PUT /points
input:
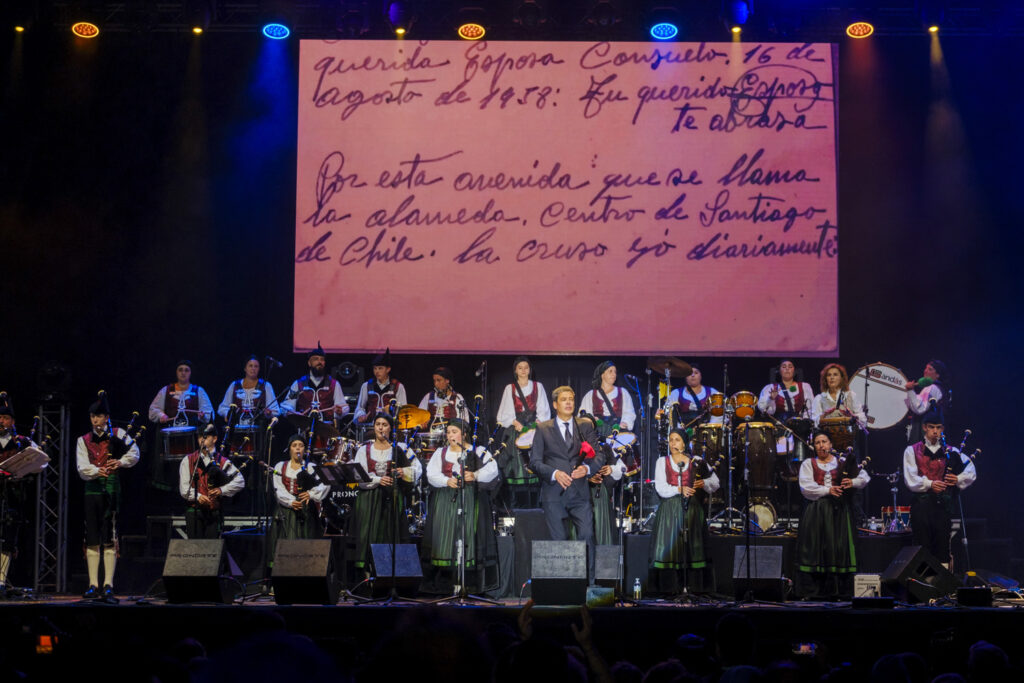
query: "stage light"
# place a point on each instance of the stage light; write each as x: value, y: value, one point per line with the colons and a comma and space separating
x: 471, y: 32
x: 19, y: 29
x: 664, y: 31
x: 198, y: 14
x: 400, y: 18
x: 933, y: 29
x: 736, y: 30
x: 276, y: 31
x: 198, y: 30
x: 860, y: 29
x: 85, y: 29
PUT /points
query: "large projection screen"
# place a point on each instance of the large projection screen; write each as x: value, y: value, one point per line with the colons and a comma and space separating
x: 578, y: 198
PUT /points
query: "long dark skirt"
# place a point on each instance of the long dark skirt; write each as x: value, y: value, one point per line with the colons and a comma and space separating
x: 670, y: 547
x: 443, y: 532
x: 378, y: 517
x: 825, y: 539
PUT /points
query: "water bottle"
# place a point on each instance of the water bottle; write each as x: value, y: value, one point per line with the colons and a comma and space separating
x: 637, y: 589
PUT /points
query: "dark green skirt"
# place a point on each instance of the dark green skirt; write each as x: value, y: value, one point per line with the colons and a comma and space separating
x: 668, y: 546
x: 825, y: 539
x: 375, y: 513
x: 604, y: 522
x: 513, y: 463
x: 444, y: 533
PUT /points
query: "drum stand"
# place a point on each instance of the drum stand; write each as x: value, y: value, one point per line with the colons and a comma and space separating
x: 896, y: 524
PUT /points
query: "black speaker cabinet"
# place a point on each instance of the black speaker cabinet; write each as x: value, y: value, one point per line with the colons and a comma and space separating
x: 915, y: 575
x: 531, y: 526
x: 558, y: 572
x: 304, y: 572
x: 765, y: 573
x: 198, y: 571
x: 606, y: 566
x: 408, y: 571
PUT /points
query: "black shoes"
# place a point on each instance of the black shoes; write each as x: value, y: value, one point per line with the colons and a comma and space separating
x: 92, y: 594
x: 108, y: 594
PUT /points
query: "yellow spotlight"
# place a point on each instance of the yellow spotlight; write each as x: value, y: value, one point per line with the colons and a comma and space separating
x: 736, y: 30
x: 19, y: 29
x: 933, y: 29
x: 399, y: 31
x: 198, y: 30
x: 860, y: 29
x: 85, y: 29
x: 471, y: 32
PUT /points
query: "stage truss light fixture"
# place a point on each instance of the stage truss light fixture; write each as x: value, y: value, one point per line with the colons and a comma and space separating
x: 471, y: 22
x: 737, y: 12
x: 664, y: 30
x: 400, y: 17
x: 85, y: 29
x: 19, y: 29
x: 860, y: 29
x: 664, y: 22
x: 276, y: 31
x: 471, y: 31
x: 736, y: 30
x: 197, y: 15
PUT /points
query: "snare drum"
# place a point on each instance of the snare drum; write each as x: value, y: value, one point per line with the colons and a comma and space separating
x: 627, y: 439
x: 243, y: 440
x: 839, y: 430
x: 179, y: 442
x: 716, y: 405
x: 428, y: 442
x: 797, y: 450
x: 743, y: 404
x: 760, y: 453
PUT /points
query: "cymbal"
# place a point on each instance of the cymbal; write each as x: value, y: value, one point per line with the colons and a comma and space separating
x: 679, y: 368
x: 410, y: 416
x: 325, y: 429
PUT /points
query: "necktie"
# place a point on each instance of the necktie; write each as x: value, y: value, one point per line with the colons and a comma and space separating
x: 568, y: 433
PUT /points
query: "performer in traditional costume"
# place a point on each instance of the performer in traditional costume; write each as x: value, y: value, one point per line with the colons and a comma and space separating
x: 691, y: 400
x: 786, y: 398
x: 15, y: 494
x: 836, y: 398
x: 180, y: 407
x: 459, y: 475
x: 610, y: 404
x: 205, y: 480
x: 936, y: 476
x: 375, y: 395
x: 443, y: 402
x: 299, y: 494
x: 524, y: 403
x: 253, y: 396
x: 99, y: 457
x: 683, y: 484
x: 380, y: 505
x: 921, y: 393
x: 826, y: 557
x: 316, y: 390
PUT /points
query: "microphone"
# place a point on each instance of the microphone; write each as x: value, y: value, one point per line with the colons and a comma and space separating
x: 271, y: 424
x: 632, y: 377
x: 275, y: 362
x: 481, y: 370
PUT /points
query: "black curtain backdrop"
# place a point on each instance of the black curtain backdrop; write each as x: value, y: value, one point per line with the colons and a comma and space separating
x: 147, y: 214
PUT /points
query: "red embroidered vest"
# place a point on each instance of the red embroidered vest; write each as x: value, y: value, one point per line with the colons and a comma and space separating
x: 601, y: 409
x: 258, y: 393
x: 203, y: 479
x: 99, y: 453
x: 449, y: 410
x: 171, y: 402
x: 931, y: 468
x: 820, y: 474
x: 383, y: 399
x: 798, y: 399
x: 673, y: 476
x: 324, y: 394
x: 531, y: 399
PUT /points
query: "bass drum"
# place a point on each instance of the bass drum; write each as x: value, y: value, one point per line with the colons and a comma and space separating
x: 840, y: 431
x: 883, y: 388
x: 760, y: 454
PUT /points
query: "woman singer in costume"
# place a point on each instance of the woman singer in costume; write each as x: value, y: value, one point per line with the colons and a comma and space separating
x: 683, y: 484
x: 380, y: 506
x: 524, y: 403
x: 298, y: 495
x: 836, y: 398
x: 826, y: 557
x: 459, y: 475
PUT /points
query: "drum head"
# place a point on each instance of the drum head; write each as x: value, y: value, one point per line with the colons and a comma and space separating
x: 525, y: 440
x: 763, y: 514
x: 621, y: 439
x: 882, y: 387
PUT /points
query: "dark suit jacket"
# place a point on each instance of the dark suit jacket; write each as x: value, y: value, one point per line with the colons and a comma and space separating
x: 550, y: 453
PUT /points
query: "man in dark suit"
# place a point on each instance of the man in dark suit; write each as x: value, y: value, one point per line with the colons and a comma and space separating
x: 558, y: 457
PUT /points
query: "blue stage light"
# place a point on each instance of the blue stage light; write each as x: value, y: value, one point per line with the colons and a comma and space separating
x: 664, y: 31
x: 276, y: 31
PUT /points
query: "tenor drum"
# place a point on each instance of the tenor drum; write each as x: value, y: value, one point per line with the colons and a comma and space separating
x: 243, y: 440
x: 621, y: 439
x: 716, y: 404
x: 179, y: 442
x: 762, y: 513
x: 840, y: 431
x: 743, y: 404
x: 760, y: 453
x: 709, y: 443
x: 428, y: 442
x: 524, y: 441
x: 883, y: 388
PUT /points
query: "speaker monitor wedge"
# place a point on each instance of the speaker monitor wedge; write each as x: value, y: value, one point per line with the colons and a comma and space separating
x: 303, y: 572
x: 558, y: 572
x: 198, y: 570
x: 408, y: 572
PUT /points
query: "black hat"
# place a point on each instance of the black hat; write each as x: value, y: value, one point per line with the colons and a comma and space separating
x: 294, y: 437
x: 181, y: 362
x: 444, y: 372
x: 318, y: 351
x: 600, y: 370
x: 940, y: 368
x: 382, y: 358
x: 5, y: 404
x: 933, y: 416
x: 210, y: 430
x: 521, y: 359
x: 461, y: 424
x: 100, y: 405
x: 384, y: 416
x: 820, y: 432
